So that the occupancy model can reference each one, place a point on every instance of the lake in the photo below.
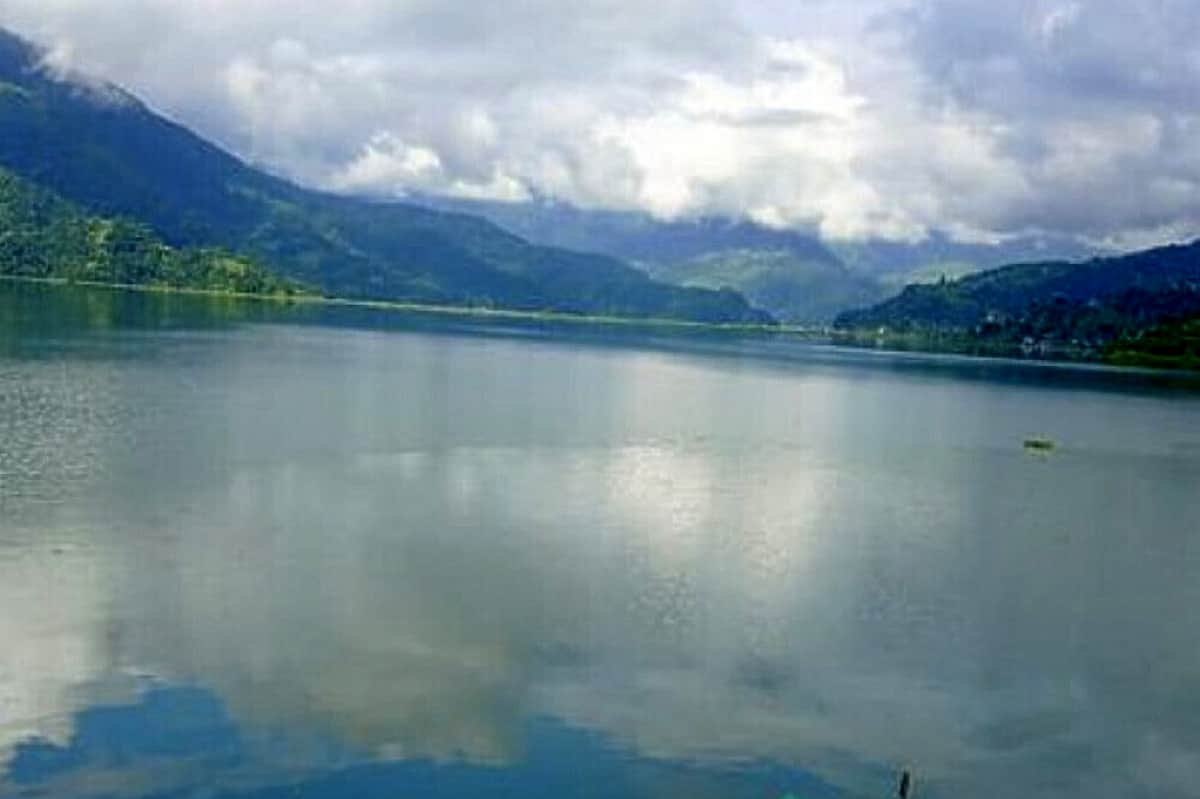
(256, 551)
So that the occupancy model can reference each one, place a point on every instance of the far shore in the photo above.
(399, 306)
(850, 339)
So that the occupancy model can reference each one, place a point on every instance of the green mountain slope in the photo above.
(788, 273)
(102, 149)
(1127, 303)
(1012, 290)
(43, 236)
(793, 274)
(792, 288)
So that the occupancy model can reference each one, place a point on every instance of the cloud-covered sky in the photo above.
(858, 117)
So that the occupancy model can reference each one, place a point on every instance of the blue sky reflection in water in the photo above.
(183, 740)
(338, 560)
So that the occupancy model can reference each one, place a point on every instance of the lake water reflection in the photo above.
(260, 551)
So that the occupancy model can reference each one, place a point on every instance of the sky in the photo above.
(857, 118)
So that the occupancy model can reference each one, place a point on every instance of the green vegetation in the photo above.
(1137, 308)
(1171, 344)
(45, 237)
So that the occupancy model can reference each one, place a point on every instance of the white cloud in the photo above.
(877, 118)
(389, 165)
(389, 161)
(53, 645)
(1058, 20)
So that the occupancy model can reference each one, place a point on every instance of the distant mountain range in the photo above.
(100, 149)
(794, 275)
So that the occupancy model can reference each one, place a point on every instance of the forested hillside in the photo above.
(43, 236)
(1142, 302)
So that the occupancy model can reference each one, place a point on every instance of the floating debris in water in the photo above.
(1039, 444)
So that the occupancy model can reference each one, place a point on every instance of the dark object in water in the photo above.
(905, 784)
(1039, 444)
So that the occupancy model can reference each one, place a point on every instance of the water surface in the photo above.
(256, 551)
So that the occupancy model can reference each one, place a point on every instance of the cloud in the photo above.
(880, 118)
(388, 162)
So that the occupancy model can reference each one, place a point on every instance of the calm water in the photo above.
(256, 552)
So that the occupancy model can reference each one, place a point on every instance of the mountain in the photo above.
(43, 236)
(788, 273)
(102, 149)
(1012, 290)
(793, 274)
(632, 235)
(898, 263)
(791, 288)
(1103, 303)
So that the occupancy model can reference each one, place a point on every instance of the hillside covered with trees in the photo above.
(43, 236)
(1142, 304)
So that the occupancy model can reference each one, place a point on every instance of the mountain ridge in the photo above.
(793, 274)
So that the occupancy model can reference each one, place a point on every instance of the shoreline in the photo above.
(400, 306)
(962, 346)
(847, 339)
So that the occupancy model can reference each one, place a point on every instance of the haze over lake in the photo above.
(252, 550)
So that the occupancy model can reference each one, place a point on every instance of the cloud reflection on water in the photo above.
(412, 545)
